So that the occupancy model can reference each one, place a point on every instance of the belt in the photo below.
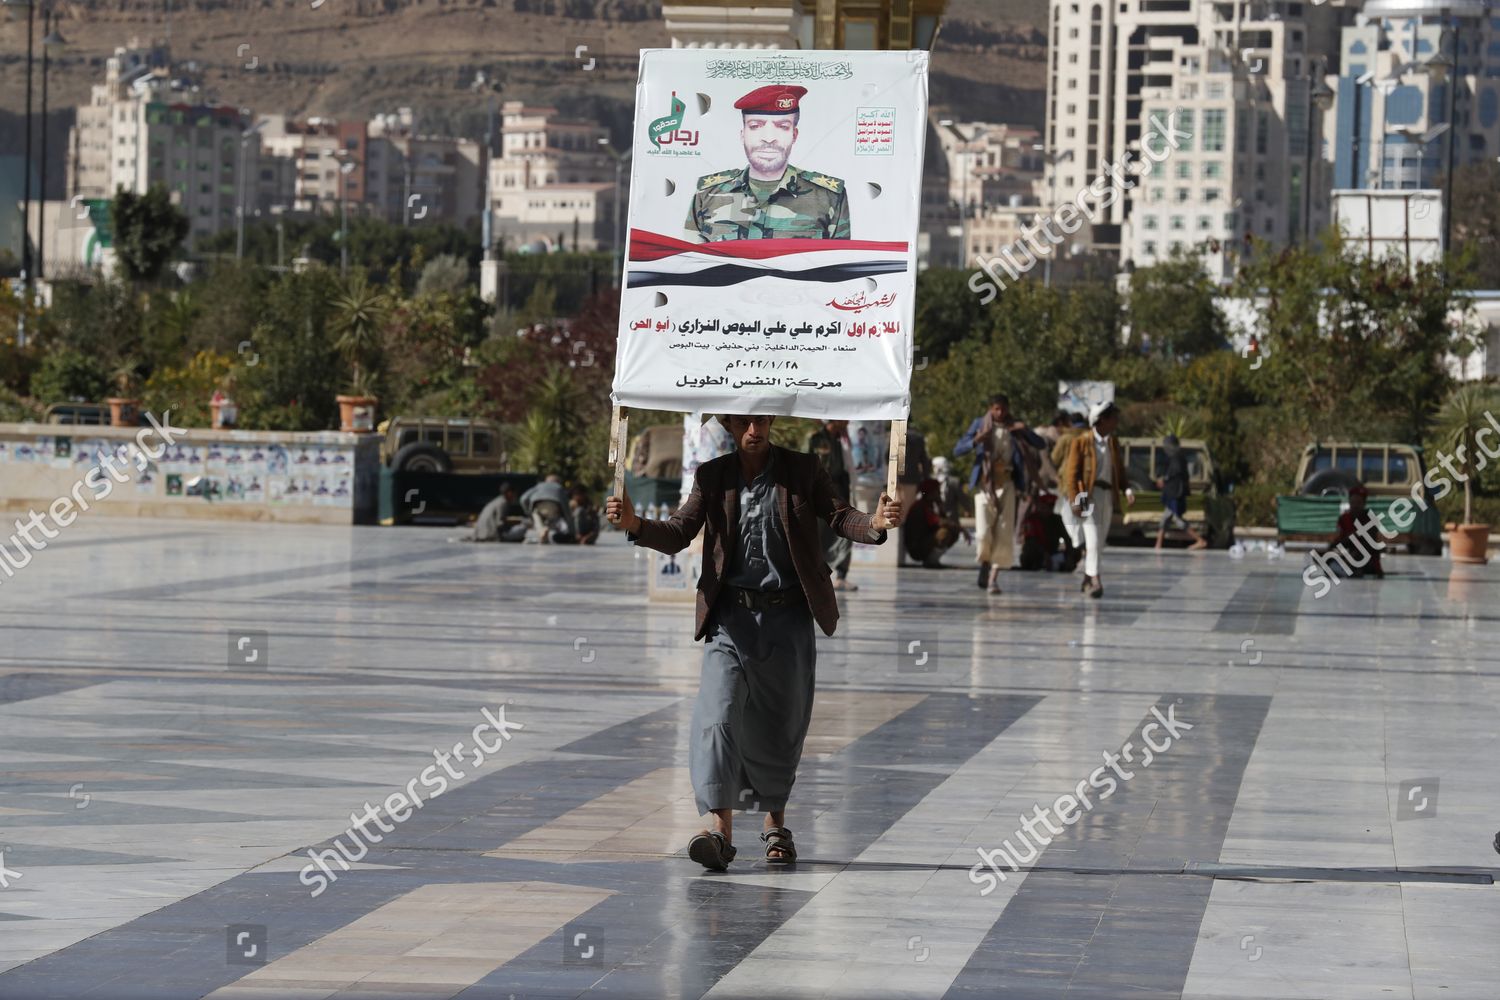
(1100, 484)
(759, 600)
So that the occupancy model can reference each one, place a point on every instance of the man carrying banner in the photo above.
(764, 585)
(768, 199)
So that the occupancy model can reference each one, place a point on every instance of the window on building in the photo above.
(1150, 248)
(1262, 132)
(1183, 194)
(1211, 194)
(1213, 130)
(1205, 223)
(1158, 194)
(1177, 223)
(1185, 120)
(1150, 222)
(1184, 171)
(1213, 170)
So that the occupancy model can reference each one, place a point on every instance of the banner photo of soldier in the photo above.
(771, 256)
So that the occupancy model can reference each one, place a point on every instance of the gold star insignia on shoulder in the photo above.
(823, 180)
(710, 180)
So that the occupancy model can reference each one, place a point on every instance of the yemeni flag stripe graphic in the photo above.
(648, 246)
(721, 275)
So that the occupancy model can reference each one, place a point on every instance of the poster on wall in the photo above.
(771, 258)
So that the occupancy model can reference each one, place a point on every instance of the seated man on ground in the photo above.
(1363, 559)
(546, 504)
(585, 516)
(501, 520)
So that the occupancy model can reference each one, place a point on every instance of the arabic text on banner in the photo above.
(773, 213)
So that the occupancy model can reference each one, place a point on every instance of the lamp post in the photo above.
(1445, 67)
(26, 182)
(346, 166)
(1319, 98)
(51, 39)
(963, 213)
(619, 159)
(239, 207)
(487, 222)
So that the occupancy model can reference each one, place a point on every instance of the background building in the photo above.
(1245, 79)
(1395, 101)
(553, 180)
(803, 24)
(144, 126)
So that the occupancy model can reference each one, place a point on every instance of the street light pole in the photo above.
(239, 210)
(619, 159)
(1452, 149)
(26, 182)
(50, 40)
(1320, 99)
(346, 164)
(963, 185)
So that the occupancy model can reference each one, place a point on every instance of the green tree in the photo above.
(185, 390)
(1172, 308)
(947, 313)
(148, 230)
(1354, 345)
(67, 375)
(359, 311)
(1476, 220)
(549, 439)
(1460, 418)
(103, 319)
(289, 380)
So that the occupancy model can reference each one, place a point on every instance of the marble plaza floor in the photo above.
(187, 710)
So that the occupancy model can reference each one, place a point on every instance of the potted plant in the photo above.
(359, 313)
(125, 405)
(357, 404)
(1463, 414)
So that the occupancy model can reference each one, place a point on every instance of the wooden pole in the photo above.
(619, 429)
(897, 458)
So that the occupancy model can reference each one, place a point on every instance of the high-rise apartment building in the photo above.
(143, 126)
(1395, 102)
(1242, 85)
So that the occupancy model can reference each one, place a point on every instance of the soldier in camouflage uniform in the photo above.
(769, 198)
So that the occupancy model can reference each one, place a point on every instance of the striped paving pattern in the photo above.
(1320, 826)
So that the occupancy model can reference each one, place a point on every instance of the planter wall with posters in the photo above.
(319, 478)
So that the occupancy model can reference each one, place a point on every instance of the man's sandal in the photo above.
(711, 851)
(780, 850)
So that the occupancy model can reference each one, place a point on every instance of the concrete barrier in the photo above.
(321, 477)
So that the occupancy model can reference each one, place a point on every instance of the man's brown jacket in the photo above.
(804, 493)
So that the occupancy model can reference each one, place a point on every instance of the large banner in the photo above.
(774, 201)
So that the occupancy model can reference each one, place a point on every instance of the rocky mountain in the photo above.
(343, 58)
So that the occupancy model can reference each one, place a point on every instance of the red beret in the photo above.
(776, 99)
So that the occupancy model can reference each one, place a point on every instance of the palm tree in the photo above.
(1462, 415)
(537, 443)
(1180, 425)
(359, 313)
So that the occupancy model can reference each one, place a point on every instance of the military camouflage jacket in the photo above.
(805, 204)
